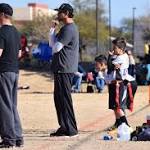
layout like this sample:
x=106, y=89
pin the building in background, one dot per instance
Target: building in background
x=30, y=12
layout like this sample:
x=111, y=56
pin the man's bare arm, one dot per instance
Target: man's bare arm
x=19, y=54
x=1, y=51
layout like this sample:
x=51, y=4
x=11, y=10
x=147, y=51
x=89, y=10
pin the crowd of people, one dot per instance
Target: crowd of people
x=96, y=77
x=116, y=71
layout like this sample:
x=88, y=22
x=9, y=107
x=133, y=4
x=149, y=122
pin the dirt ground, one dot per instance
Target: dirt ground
x=38, y=117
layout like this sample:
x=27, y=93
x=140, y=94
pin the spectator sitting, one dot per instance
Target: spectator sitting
x=78, y=79
x=99, y=75
x=96, y=76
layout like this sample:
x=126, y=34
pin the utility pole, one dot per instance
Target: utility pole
x=109, y=24
x=97, y=28
x=133, y=28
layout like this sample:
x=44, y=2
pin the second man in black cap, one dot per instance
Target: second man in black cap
x=65, y=45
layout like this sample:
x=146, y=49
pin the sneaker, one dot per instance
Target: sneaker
x=5, y=145
x=73, y=136
x=100, y=91
x=57, y=134
x=19, y=143
x=60, y=132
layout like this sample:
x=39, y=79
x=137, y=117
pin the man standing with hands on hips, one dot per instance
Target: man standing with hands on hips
x=10, y=50
x=65, y=47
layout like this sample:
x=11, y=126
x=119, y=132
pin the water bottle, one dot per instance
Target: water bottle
x=123, y=133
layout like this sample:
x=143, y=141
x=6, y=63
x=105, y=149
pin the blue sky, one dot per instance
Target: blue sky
x=119, y=8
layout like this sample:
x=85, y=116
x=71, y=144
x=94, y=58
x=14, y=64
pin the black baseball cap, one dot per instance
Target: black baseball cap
x=6, y=9
x=65, y=7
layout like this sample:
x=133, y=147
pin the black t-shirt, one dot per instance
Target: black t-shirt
x=66, y=60
x=11, y=44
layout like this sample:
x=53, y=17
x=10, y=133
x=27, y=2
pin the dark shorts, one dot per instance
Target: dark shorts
x=124, y=99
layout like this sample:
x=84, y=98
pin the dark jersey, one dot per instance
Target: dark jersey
x=10, y=43
x=66, y=60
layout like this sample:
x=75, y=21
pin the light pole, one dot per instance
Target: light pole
x=109, y=24
x=97, y=29
x=133, y=27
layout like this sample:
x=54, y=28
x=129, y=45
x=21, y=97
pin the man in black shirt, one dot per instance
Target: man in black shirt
x=65, y=47
x=10, y=49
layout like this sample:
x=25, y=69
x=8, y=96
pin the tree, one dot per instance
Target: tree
x=85, y=18
x=37, y=29
x=145, y=25
x=81, y=5
x=125, y=30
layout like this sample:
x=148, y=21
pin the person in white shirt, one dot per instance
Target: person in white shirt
x=99, y=79
x=122, y=86
x=77, y=79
